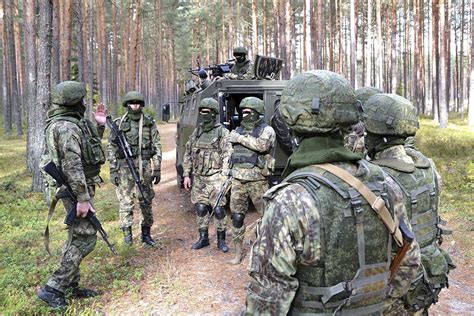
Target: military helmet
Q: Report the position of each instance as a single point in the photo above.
(209, 103)
(390, 114)
(240, 51)
(135, 96)
(253, 103)
(319, 101)
(363, 94)
(202, 73)
(68, 93)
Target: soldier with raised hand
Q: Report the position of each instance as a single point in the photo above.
(243, 67)
(73, 143)
(206, 158)
(143, 137)
(354, 140)
(252, 164)
(391, 120)
(321, 247)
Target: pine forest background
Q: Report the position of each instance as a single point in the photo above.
(422, 50)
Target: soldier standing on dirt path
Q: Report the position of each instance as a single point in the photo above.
(73, 144)
(144, 139)
(206, 157)
(390, 120)
(252, 164)
(321, 247)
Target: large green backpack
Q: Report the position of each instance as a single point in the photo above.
(353, 272)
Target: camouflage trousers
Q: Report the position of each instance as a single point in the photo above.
(205, 190)
(127, 193)
(240, 194)
(81, 241)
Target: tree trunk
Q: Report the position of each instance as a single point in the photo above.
(12, 80)
(254, 28)
(7, 103)
(470, 119)
(29, 8)
(114, 66)
(443, 106)
(393, 51)
(55, 62)
(435, 73)
(319, 39)
(379, 45)
(103, 44)
(45, 23)
(79, 25)
(66, 28)
(353, 36)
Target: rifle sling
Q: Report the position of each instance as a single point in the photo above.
(377, 203)
(52, 207)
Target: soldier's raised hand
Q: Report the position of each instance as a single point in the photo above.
(100, 113)
(234, 137)
(187, 183)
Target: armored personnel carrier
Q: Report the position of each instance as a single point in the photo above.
(229, 93)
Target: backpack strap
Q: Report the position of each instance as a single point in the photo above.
(376, 202)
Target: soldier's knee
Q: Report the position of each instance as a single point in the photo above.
(220, 212)
(83, 245)
(201, 209)
(238, 220)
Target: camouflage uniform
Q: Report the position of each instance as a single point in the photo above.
(206, 157)
(242, 70)
(354, 140)
(73, 143)
(390, 120)
(252, 164)
(320, 247)
(126, 190)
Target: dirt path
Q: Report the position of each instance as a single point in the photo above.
(178, 280)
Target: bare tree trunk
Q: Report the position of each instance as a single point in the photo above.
(447, 33)
(7, 103)
(264, 28)
(276, 38)
(254, 28)
(393, 52)
(331, 35)
(55, 62)
(443, 106)
(91, 57)
(114, 61)
(379, 45)
(319, 40)
(353, 36)
(79, 23)
(29, 8)
(282, 40)
(470, 118)
(45, 22)
(436, 64)
(11, 57)
(461, 62)
(370, 44)
(66, 29)
(103, 44)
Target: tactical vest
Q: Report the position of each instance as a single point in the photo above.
(130, 129)
(241, 68)
(246, 157)
(353, 273)
(421, 192)
(207, 152)
(92, 154)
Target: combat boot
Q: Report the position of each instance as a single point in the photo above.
(221, 241)
(78, 292)
(238, 253)
(127, 235)
(52, 297)
(203, 240)
(146, 236)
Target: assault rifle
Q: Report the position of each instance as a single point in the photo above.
(216, 70)
(222, 192)
(51, 169)
(126, 152)
(408, 238)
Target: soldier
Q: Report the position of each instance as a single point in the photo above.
(204, 79)
(391, 119)
(206, 157)
(141, 132)
(252, 164)
(321, 247)
(243, 67)
(355, 139)
(73, 143)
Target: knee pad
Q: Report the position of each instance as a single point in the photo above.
(201, 209)
(238, 220)
(219, 212)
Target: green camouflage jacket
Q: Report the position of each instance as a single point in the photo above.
(241, 71)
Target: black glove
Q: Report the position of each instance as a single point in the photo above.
(156, 177)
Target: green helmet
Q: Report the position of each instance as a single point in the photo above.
(318, 101)
(209, 103)
(253, 103)
(390, 114)
(363, 94)
(240, 50)
(68, 93)
(133, 96)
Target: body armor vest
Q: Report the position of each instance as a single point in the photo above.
(206, 151)
(92, 154)
(241, 68)
(421, 192)
(246, 157)
(130, 129)
(353, 272)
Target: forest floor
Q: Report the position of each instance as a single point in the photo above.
(171, 278)
(178, 280)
